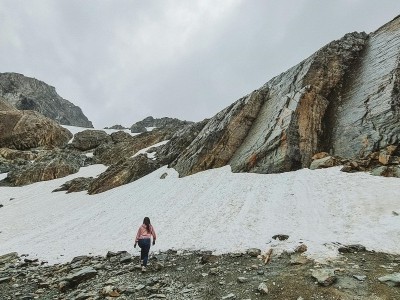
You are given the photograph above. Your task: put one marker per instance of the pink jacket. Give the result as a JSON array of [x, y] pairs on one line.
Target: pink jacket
[[144, 234]]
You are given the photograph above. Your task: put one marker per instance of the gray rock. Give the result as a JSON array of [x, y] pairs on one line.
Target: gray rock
[[324, 277], [5, 279], [352, 248], [386, 171], [360, 277], [242, 279], [254, 252], [281, 237], [229, 296], [51, 165], [263, 288], [90, 139], [391, 279], [26, 93], [75, 278]]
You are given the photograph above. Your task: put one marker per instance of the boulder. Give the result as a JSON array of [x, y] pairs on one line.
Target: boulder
[[120, 136], [76, 278], [122, 173], [90, 139], [51, 165], [24, 130], [386, 171], [352, 248], [325, 162]]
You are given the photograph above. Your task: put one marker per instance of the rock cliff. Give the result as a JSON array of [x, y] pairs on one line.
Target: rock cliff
[[343, 99], [27, 93]]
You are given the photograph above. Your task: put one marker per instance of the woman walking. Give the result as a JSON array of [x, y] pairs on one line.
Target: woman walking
[[143, 238]]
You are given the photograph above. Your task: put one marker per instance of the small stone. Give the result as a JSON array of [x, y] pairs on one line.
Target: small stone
[[140, 287], [214, 271], [242, 279], [360, 277], [281, 237], [254, 252], [159, 296], [180, 268], [262, 288], [5, 279], [229, 296], [301, 248]]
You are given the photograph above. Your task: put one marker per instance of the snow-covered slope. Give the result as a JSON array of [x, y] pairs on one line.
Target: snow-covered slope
[[216, 210]]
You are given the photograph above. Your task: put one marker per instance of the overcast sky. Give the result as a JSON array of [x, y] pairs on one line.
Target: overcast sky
[[123, 60]]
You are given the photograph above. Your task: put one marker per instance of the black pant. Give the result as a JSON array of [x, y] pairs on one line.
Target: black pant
[[144, 245]]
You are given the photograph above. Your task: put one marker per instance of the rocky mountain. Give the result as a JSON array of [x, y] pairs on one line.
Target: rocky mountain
[[27, 93], [343, 100], [152, 122], [340, 106]]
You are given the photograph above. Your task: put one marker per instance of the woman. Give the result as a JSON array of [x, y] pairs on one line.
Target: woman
[[143, 238]]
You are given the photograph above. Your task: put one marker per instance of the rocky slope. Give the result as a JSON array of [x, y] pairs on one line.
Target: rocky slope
[[157, 122], [344, 100], [27, 93], [357, 274]]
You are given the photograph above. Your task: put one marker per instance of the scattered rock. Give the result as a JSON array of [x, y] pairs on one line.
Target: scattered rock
[[281, 237], [301, 248], [352, 248], [324, 277], [254, 252], [262, 288], [360, 277]]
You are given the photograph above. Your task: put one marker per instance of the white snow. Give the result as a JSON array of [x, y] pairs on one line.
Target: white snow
[[213, 210], [75, 129]]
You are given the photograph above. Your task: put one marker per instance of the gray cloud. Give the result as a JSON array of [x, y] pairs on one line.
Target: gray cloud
[[121, 61]]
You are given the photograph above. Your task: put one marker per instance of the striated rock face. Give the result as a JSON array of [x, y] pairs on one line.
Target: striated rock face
[[215, 145], [24, 130], [27, 93], [281, 125], [123, 173], [162, 122], [366, 117], [52, 165], [90, 139]]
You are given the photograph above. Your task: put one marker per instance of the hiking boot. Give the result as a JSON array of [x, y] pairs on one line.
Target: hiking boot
[[143, 269]]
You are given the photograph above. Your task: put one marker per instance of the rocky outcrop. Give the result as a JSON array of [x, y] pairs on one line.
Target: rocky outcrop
[[343, 100], [366, 117], [51, 165], [215, 145], [122, 173], [112, 153], [29, 129], [152, 122], [168, 153], [27, 93], [76, 185], [90, 139]]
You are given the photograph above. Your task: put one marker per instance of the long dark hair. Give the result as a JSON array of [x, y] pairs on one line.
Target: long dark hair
[[146, 221]]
